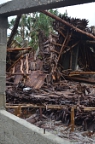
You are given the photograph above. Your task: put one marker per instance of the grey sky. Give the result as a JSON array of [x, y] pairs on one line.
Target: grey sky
[[80, 11], [3, 1], [86, 11]]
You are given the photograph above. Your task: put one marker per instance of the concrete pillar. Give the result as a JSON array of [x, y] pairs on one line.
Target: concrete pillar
[[3, 45]]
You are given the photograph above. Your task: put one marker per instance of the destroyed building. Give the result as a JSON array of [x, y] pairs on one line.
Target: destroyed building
[[53, 88], [46, 81]]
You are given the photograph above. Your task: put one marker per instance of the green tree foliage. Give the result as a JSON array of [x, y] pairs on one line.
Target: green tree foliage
[[30, 25]]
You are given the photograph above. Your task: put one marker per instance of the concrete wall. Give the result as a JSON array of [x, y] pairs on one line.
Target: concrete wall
[[26, 6], [14, 130], [3, 45]]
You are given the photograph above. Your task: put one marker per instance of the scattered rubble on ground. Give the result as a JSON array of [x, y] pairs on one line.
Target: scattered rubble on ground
[[55, 89]]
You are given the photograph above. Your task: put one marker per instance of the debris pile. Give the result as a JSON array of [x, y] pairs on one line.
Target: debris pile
[[42, 81]]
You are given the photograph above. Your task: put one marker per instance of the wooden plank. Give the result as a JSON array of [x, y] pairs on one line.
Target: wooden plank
[[81, 72]]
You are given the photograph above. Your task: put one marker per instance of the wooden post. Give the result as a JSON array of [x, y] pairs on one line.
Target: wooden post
[[40, 109], [72, 119], [17, 111]]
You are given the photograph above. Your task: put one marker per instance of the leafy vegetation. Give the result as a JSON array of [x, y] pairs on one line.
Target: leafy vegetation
[[29, 27]]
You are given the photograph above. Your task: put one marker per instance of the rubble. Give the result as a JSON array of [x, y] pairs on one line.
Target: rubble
[[45, 86]]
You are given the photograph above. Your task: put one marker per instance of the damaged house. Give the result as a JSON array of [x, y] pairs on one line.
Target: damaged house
[[49, 80], [52, 88]]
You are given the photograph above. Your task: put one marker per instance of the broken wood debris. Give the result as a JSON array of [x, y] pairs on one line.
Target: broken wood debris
[[46, 82]]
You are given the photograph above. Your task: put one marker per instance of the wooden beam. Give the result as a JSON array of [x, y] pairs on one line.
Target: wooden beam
[[15, 106], [68, 24], [36, 106], [80, 79], [81, 72], [17, 49], [14, 31]]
